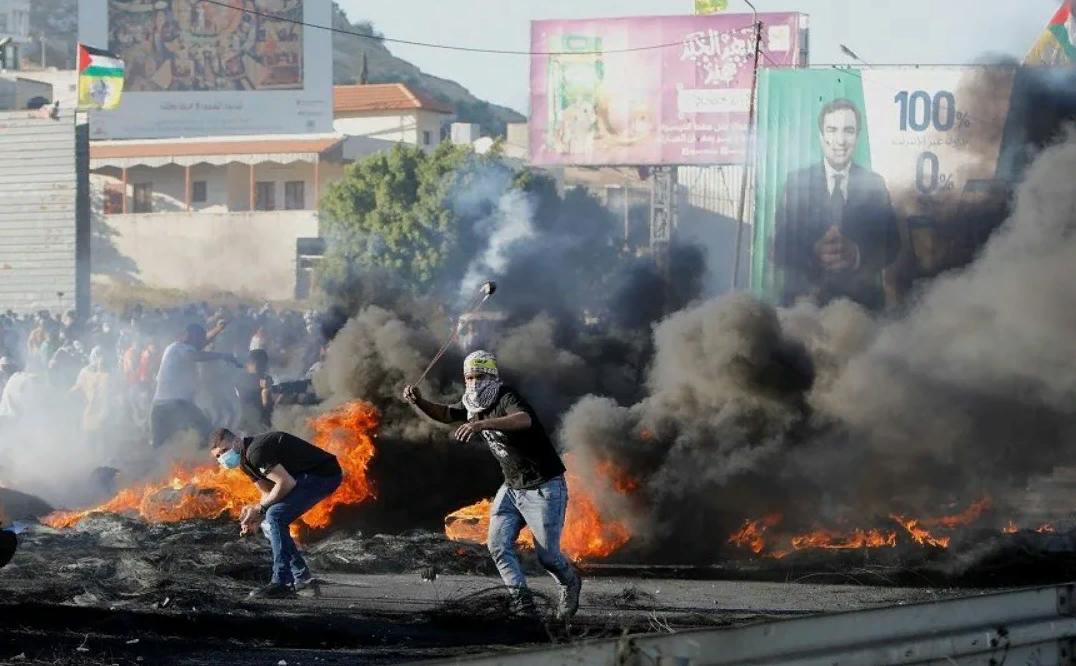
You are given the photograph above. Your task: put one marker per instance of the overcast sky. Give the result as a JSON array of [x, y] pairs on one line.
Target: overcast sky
[[905, 31]]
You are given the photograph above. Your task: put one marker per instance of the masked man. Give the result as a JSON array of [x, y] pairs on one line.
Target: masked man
[[534, 493], [293, 476]]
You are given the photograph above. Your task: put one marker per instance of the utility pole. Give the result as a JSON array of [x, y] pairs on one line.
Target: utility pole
[[748, 153]]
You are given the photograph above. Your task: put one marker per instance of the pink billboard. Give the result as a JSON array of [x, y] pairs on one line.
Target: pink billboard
[[650, 90]]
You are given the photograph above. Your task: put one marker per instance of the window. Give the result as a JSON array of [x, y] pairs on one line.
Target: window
[[143, 197], [113, 199], [294, 195], [198, 191], [425, 137], [3, 22], [265, 196]]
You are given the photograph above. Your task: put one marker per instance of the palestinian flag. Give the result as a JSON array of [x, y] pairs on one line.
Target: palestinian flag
[[100, 79], [1055, 46]]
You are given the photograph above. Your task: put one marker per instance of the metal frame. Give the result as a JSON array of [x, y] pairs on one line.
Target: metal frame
[[1033, 626]]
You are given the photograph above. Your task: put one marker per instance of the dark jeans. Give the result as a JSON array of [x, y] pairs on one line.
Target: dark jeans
[[288, 564], [168, 418]]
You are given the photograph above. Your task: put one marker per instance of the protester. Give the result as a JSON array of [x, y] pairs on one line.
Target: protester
[[293, 475], [255, 394], [174, 409], [534, 492]]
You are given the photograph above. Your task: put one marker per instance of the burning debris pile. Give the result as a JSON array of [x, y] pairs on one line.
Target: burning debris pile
[[124, 561], [207, 491], [587, 535]]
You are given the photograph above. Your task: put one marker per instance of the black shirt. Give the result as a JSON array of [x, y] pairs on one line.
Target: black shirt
[[527, 457], [296, 455]]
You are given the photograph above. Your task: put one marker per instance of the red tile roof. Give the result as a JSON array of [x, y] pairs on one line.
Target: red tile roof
[[197, 148], [366, 97]]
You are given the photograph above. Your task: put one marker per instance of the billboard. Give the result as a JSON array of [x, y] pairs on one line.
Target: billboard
[[220, 67], [871, 179], [650, 90]]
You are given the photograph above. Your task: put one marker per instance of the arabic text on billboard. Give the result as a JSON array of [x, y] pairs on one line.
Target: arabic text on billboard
[[192, 65], [872, 179], [653, 90]]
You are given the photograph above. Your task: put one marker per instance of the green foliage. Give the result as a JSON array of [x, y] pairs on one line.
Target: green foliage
[[387, 213], [423, 218]]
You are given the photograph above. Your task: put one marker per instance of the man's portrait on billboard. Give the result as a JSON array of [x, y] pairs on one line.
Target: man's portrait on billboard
[[203, 46], [835, 229]]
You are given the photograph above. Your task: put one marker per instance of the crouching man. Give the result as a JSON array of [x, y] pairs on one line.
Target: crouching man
[[293, 475], [534, 493]]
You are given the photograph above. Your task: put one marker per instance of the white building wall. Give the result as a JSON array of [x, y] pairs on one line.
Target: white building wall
[[245, 253], [429, 126], [392, 126]]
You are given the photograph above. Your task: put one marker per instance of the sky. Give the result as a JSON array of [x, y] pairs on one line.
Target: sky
[[896, 32]]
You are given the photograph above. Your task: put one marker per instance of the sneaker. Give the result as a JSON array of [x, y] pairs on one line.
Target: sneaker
[[569, 599], [273, 591], [308, 587], [522, 604]]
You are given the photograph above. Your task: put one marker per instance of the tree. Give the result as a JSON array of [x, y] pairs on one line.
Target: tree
[[427, 219], [387, 213]]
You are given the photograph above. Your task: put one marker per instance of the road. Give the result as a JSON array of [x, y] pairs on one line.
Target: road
[[392, 619]]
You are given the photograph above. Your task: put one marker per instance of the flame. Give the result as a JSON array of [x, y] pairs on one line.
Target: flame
[[856, 539], [1010, 528], [586, 533], [967, 517], [751, 534], [1046, 528], [348, 433], [918, 534], [208, 491]]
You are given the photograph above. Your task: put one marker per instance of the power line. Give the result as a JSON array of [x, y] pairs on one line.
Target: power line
[[445, 47]]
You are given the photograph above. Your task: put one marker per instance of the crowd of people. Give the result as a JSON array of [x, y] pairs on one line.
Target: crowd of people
[[136, 375], [104, 370]]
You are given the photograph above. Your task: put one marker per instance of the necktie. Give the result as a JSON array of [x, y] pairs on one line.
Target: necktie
[[836, 199]]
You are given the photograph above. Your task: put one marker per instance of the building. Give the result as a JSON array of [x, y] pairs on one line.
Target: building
[[389, 112], [19, 87], [239, 213], [14, 26]]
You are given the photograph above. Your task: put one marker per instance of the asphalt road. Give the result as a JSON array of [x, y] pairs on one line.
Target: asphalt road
[[393, 619]]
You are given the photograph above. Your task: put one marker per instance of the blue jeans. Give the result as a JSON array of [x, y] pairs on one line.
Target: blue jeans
[[288, 564], [542, 510]]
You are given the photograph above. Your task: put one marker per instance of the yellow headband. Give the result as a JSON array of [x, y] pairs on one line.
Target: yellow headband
[[485, 363]]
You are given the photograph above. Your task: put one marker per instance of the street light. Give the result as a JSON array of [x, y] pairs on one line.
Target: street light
[[748, 155]]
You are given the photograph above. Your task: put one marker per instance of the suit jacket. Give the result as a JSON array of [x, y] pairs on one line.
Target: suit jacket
[[804, 214]]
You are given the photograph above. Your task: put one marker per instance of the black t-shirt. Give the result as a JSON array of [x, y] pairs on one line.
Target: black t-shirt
[[296, 455], [527, 457]]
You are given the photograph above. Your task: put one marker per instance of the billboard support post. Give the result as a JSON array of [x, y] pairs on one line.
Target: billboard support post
[[664, 216], [749, 156]]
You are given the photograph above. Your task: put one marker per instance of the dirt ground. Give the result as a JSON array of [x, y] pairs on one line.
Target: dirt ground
[[393, 619]]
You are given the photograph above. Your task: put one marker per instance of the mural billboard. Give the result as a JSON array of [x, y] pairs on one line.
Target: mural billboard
[[651, 90], [871, 179], [198, 68]]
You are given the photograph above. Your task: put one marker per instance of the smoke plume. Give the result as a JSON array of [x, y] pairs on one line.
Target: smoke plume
[[826, 414]]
